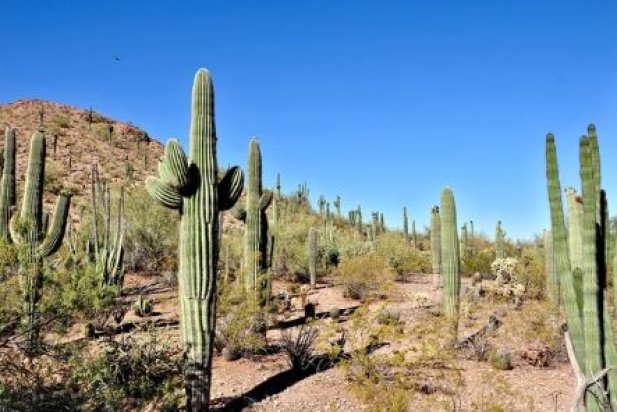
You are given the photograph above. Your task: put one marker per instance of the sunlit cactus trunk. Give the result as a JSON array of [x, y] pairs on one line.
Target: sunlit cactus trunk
[[500, 252], [195, 190], [405, 224], [584, 288], [7, 183], [436, 246], [312, 255], [450, 259], [36, 242]]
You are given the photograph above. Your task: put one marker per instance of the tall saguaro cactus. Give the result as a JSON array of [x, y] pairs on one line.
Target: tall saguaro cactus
[[312, 255], [589, 327], [7, 183], [500, 252], [193, 187], [450, 259], [436, 246], [256, 228], [405, 224], [29, 230], [575, 228]]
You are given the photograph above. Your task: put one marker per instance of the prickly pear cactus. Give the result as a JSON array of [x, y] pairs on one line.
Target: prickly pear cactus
[[192, 186]]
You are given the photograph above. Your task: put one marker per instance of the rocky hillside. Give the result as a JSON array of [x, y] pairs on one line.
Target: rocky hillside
[[77, 139]]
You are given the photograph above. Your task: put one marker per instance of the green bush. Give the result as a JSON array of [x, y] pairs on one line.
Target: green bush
[[127, 373]]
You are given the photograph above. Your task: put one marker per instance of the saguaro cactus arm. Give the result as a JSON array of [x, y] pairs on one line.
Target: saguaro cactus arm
[[53, 239]]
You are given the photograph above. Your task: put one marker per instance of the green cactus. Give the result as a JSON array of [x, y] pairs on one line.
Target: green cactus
[[255, 265], [584, 288], [382, 223], [337, 206], [575, 228], [405, 224], [194, 188], [322, 205], [108, 248], [414, 234], [374, 224], [358, 219], [278, 185], [463, 242], [472, 233], [7, 184], [500, 252], [27, 230], [450, 260], [312, 255], [436, 246], [552, 278]]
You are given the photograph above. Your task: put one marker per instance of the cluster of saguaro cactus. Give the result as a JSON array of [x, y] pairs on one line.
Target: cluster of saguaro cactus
[[193, 187], [590, 331], [436, 246], [107, 247], [30, 230], [255, 264], [312, 255], [450, 260], [500, 251], [7, 184], [322, 205]]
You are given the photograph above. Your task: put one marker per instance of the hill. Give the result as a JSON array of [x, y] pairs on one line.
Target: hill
[[76, 139]]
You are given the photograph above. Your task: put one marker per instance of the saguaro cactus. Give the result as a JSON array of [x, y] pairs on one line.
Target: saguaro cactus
[[312, 255], [405, 224], [28, 229], [500, 252], [256, 228], [436, 246], [552, 278], [589, 328], [450, 261], [337, 206], [7, 184], [575, 228], [194, 188]]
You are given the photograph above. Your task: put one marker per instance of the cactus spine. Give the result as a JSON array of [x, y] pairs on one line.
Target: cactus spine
[[7, 184], [194, 189], [450, 261], [500, 252], [312, 255], [589, 327], [436, 246], [26, 229]]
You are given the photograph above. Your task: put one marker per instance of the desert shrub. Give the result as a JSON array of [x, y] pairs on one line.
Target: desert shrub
[[402, 258], [238, 321], [532, 272], [361, 275], [9, 261], [501, 359], [477, 261], [151, 240], [10, 309], [77, 292], [128, 372]]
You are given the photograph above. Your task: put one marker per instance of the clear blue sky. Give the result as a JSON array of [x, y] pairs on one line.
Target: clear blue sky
[[382, 102]]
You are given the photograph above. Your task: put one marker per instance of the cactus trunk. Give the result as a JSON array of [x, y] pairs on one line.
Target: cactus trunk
[[450, 261], [7, 184], [312, 255], [436, 246], [194, 188]]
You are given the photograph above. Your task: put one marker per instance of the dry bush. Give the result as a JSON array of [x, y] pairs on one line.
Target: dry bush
[[300, 346], [362, 275]]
